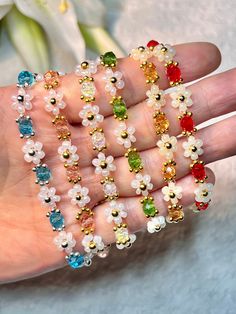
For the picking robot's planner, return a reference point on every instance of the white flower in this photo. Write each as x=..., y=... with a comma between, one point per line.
x=21, y=101
x=192, y=148
x=115, y=212
x=123, y=238
x=181, y=98
x=64, y=241
x=167, y=145
x=33, y=151
x=155, y=224
x=79, y=195
x=204, y=192
x=93, y=243
x=156, y=97
x=163, y=52
x=54, y=102
x=68, y=152
x=48, y=196
x=113, y=81
x=86, y=68
x=142, y=184
x=125, y=135
x=110, y=189
x=172, y=193
x=90, y=115
x=141, y=54
x=104, y=165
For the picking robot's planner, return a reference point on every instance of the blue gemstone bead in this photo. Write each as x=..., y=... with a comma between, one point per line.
x=25, y=126
x=75, y=260
x=25, y=78
x=43, y=174
x=56, y=220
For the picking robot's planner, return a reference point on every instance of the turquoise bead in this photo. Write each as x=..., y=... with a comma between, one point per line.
x=25, y=78
x=75, y=260
x=43, y=174
x=25, y=126
x=56, y=220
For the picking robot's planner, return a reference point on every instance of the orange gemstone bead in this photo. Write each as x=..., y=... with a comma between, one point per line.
x=161, y=123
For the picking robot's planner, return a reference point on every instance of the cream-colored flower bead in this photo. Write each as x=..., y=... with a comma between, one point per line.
x=140, y=54
x=192, y=148
x=172, y=193
x=181, y=98
x=90, y=116
x=104, y=165
x=54, y=102
x=167, y=145
x=142, y=184
x=203, y=193
x=164, y=53
x=21, y=101
x=115, y=212
x=93, y=244
x=67, y=152
x=64, y=241
x=155, y=224
x=156, y=97
x=86, y=68
x=79, y=195
x=33, y=151
x=113, y=81
x=125, y=135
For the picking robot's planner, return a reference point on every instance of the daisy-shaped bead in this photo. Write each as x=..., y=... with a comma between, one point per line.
x=33, y=151
x=48, y=196
x=113, y=81
x=125, y=135
x=140, y=54
x=172, y=193
x=115, y=212
x=64, y=241
x=86, y=68
x=204, y=192
x=104, y=165
x=67, y=152
x=54, y=102
x=156, y=97
x=142, y=184
x=192, y=148
x=181, y=98
x=21, y=101
x=79, y=195
x=93, y=244
x=90, y=115
x=163, y=52
x=155, y=224
x=167, y=145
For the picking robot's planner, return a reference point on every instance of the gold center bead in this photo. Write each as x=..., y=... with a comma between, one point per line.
x=168, y=145
x=143, y=186
x=181, y=98
x=92, y=245
x=84, y=65
x=66, y=154
x=124, y=134
x=53, y=101
x=90, y=117
x=115, y=213
x=113, y=80
x=103, y=165
x=172, y=195
x=205, y=193
x=194, y=149
x=78, y=197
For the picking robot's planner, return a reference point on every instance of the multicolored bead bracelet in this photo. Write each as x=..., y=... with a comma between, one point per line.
x=125, y=137
x=167, y=144
x=181, y=100
x=103, y=164
x=33, y=153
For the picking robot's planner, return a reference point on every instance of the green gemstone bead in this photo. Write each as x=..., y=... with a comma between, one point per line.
x=149, y=207
x=119, y=108
x=109, y=59
x=134, y=160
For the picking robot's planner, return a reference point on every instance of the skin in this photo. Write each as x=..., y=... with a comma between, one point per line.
x=26, y=244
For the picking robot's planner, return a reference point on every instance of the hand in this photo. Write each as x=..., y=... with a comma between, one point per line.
x=26, y=245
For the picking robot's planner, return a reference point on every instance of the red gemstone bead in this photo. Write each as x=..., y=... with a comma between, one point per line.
x=152, y=43
x=202, y=206
x=198, y=171
x=173, y=73
x=187, y=124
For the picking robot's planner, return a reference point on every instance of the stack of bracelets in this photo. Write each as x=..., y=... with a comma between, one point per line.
x=115, y=212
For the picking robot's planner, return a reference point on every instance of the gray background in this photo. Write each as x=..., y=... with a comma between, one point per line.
x=189, y=268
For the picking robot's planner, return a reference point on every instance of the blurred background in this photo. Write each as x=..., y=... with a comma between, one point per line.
x=189, y=268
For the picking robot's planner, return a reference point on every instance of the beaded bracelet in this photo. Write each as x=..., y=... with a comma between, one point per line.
x=125, y=137
x=167, y=144
x=33, y=153
x=93, y=244
x=181, y=99
x=103, y=164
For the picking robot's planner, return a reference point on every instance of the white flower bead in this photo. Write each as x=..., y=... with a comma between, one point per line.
x=48, y=196
x=86, y=68
x=155, y=224
x=172, y=193
x=64, y=241
x=140, y=54
x=110, y=189
x=115, y=212
x=33, y=151
x=93, y=243
x=79, y=195
x=192, y=148
x=125, y=135
x=181, y=98
x=90, y=115
x=54, y=102
x=156, y=97
x=68, y=152
x=21, y=101
x=142, y=184
x=167, y=145
x=204, y=192
x=113, y=81
x=104, y=165
x=164, y=52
